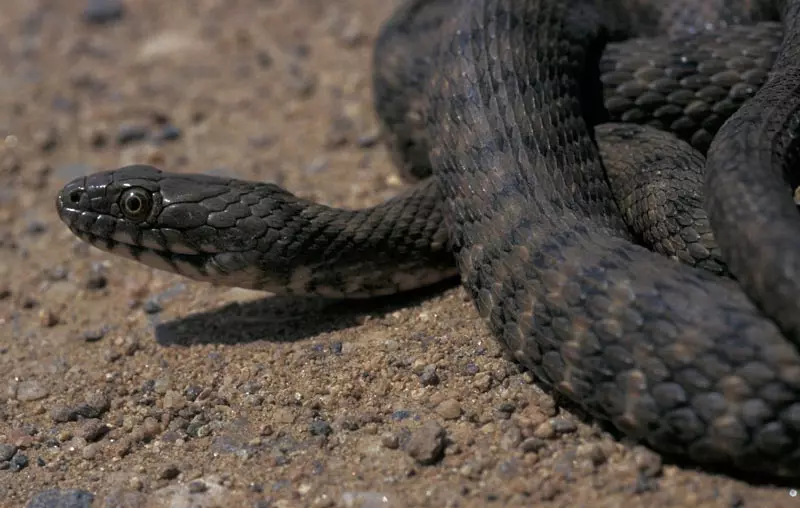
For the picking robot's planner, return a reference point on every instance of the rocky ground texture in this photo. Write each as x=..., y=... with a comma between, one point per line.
x=121, y=386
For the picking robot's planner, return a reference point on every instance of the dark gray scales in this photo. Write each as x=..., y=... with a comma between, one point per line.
x=551, y=187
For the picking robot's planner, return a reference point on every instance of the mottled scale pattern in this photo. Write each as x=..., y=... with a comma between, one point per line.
x=592, y=248
x=656, y=180
x=259, y=236
x=692, y=88
x=670, y=354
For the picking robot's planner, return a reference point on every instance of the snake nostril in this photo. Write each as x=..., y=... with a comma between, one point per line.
x=74, y=197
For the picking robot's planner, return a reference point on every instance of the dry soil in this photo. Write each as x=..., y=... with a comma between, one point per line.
x=125, y=386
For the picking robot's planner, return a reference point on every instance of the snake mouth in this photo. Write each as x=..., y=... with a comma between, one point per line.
x=120, y=237
x=198, y=266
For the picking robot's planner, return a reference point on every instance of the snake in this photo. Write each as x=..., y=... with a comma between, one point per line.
x=615, y=198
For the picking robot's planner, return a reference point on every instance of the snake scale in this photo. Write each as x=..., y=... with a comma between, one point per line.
x=547, y=206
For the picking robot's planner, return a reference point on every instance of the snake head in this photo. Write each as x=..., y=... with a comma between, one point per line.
x=193, y=224
x=111, y=205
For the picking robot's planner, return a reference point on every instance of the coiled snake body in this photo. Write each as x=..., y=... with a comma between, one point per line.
x=503, y=101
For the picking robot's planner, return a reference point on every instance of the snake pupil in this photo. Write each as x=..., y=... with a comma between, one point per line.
x=135, y=204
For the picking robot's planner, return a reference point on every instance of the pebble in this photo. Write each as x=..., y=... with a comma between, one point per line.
x=339, y=132
x=19, y=462
x=97, y=278
x=591, y=451
x=46, y=139
x=192, y=392
x=48, y=318
x=151, y=306
x=483, y=382
x=168, y=133
x=129, y=133
x=365, y=500
x=427, y=443
x=320, y=428
x=36, y=227
x=390, y=440
x=647, y=461
x=169, y=472
x=429, y=377
x=511, y=438
x=545, y=430
x=94, y=407
x=449, y=409
x=197, y=487
x=532, y=444
x=7, y=451
x=92, y=430
x=301, y=81
x=99, y=12
x=316, y=165
x=563, y=426
x=94, y=335
x=369, y=139
x=90, y=451
x=30, y=390
x=284, y=416
x=401, y=414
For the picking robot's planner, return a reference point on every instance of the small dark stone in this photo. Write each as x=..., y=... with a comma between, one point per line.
x=191, y=392
x=131, y=133
x=94, y=335
x=169, y=472
x=7, y=451
x=197, y=487
x=264, y=59
x=92, y=430
x=336, y=347
x=58, y=273
x=532, y=444
x=94, y=407
x=564, y=426
x=97, y=278
x=429, y=377
x=56, y=498
x=401, y=414
x=151, y=306
x=427, y=443
x=168, y=133
x=99, y=12
x=19, y=462
x=320, y=428
x=368, y=140
x=36, y=227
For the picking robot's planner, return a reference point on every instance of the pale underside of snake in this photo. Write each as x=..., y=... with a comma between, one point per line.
x=544, y=210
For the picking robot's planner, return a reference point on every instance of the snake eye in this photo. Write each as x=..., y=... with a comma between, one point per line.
x=135, y=204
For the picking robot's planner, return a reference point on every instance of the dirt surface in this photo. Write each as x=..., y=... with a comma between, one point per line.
x=134, y=387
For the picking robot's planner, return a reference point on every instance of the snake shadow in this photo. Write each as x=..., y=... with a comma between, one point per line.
x=283, y=318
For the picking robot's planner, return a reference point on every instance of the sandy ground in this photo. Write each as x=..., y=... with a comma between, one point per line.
x=134, y=387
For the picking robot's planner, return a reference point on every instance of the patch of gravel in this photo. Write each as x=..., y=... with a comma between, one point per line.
x=126, y=386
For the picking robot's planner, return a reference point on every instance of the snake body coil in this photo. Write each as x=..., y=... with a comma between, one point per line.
x=506, y=112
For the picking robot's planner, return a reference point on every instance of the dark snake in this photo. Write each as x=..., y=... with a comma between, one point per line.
x=546, y=199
